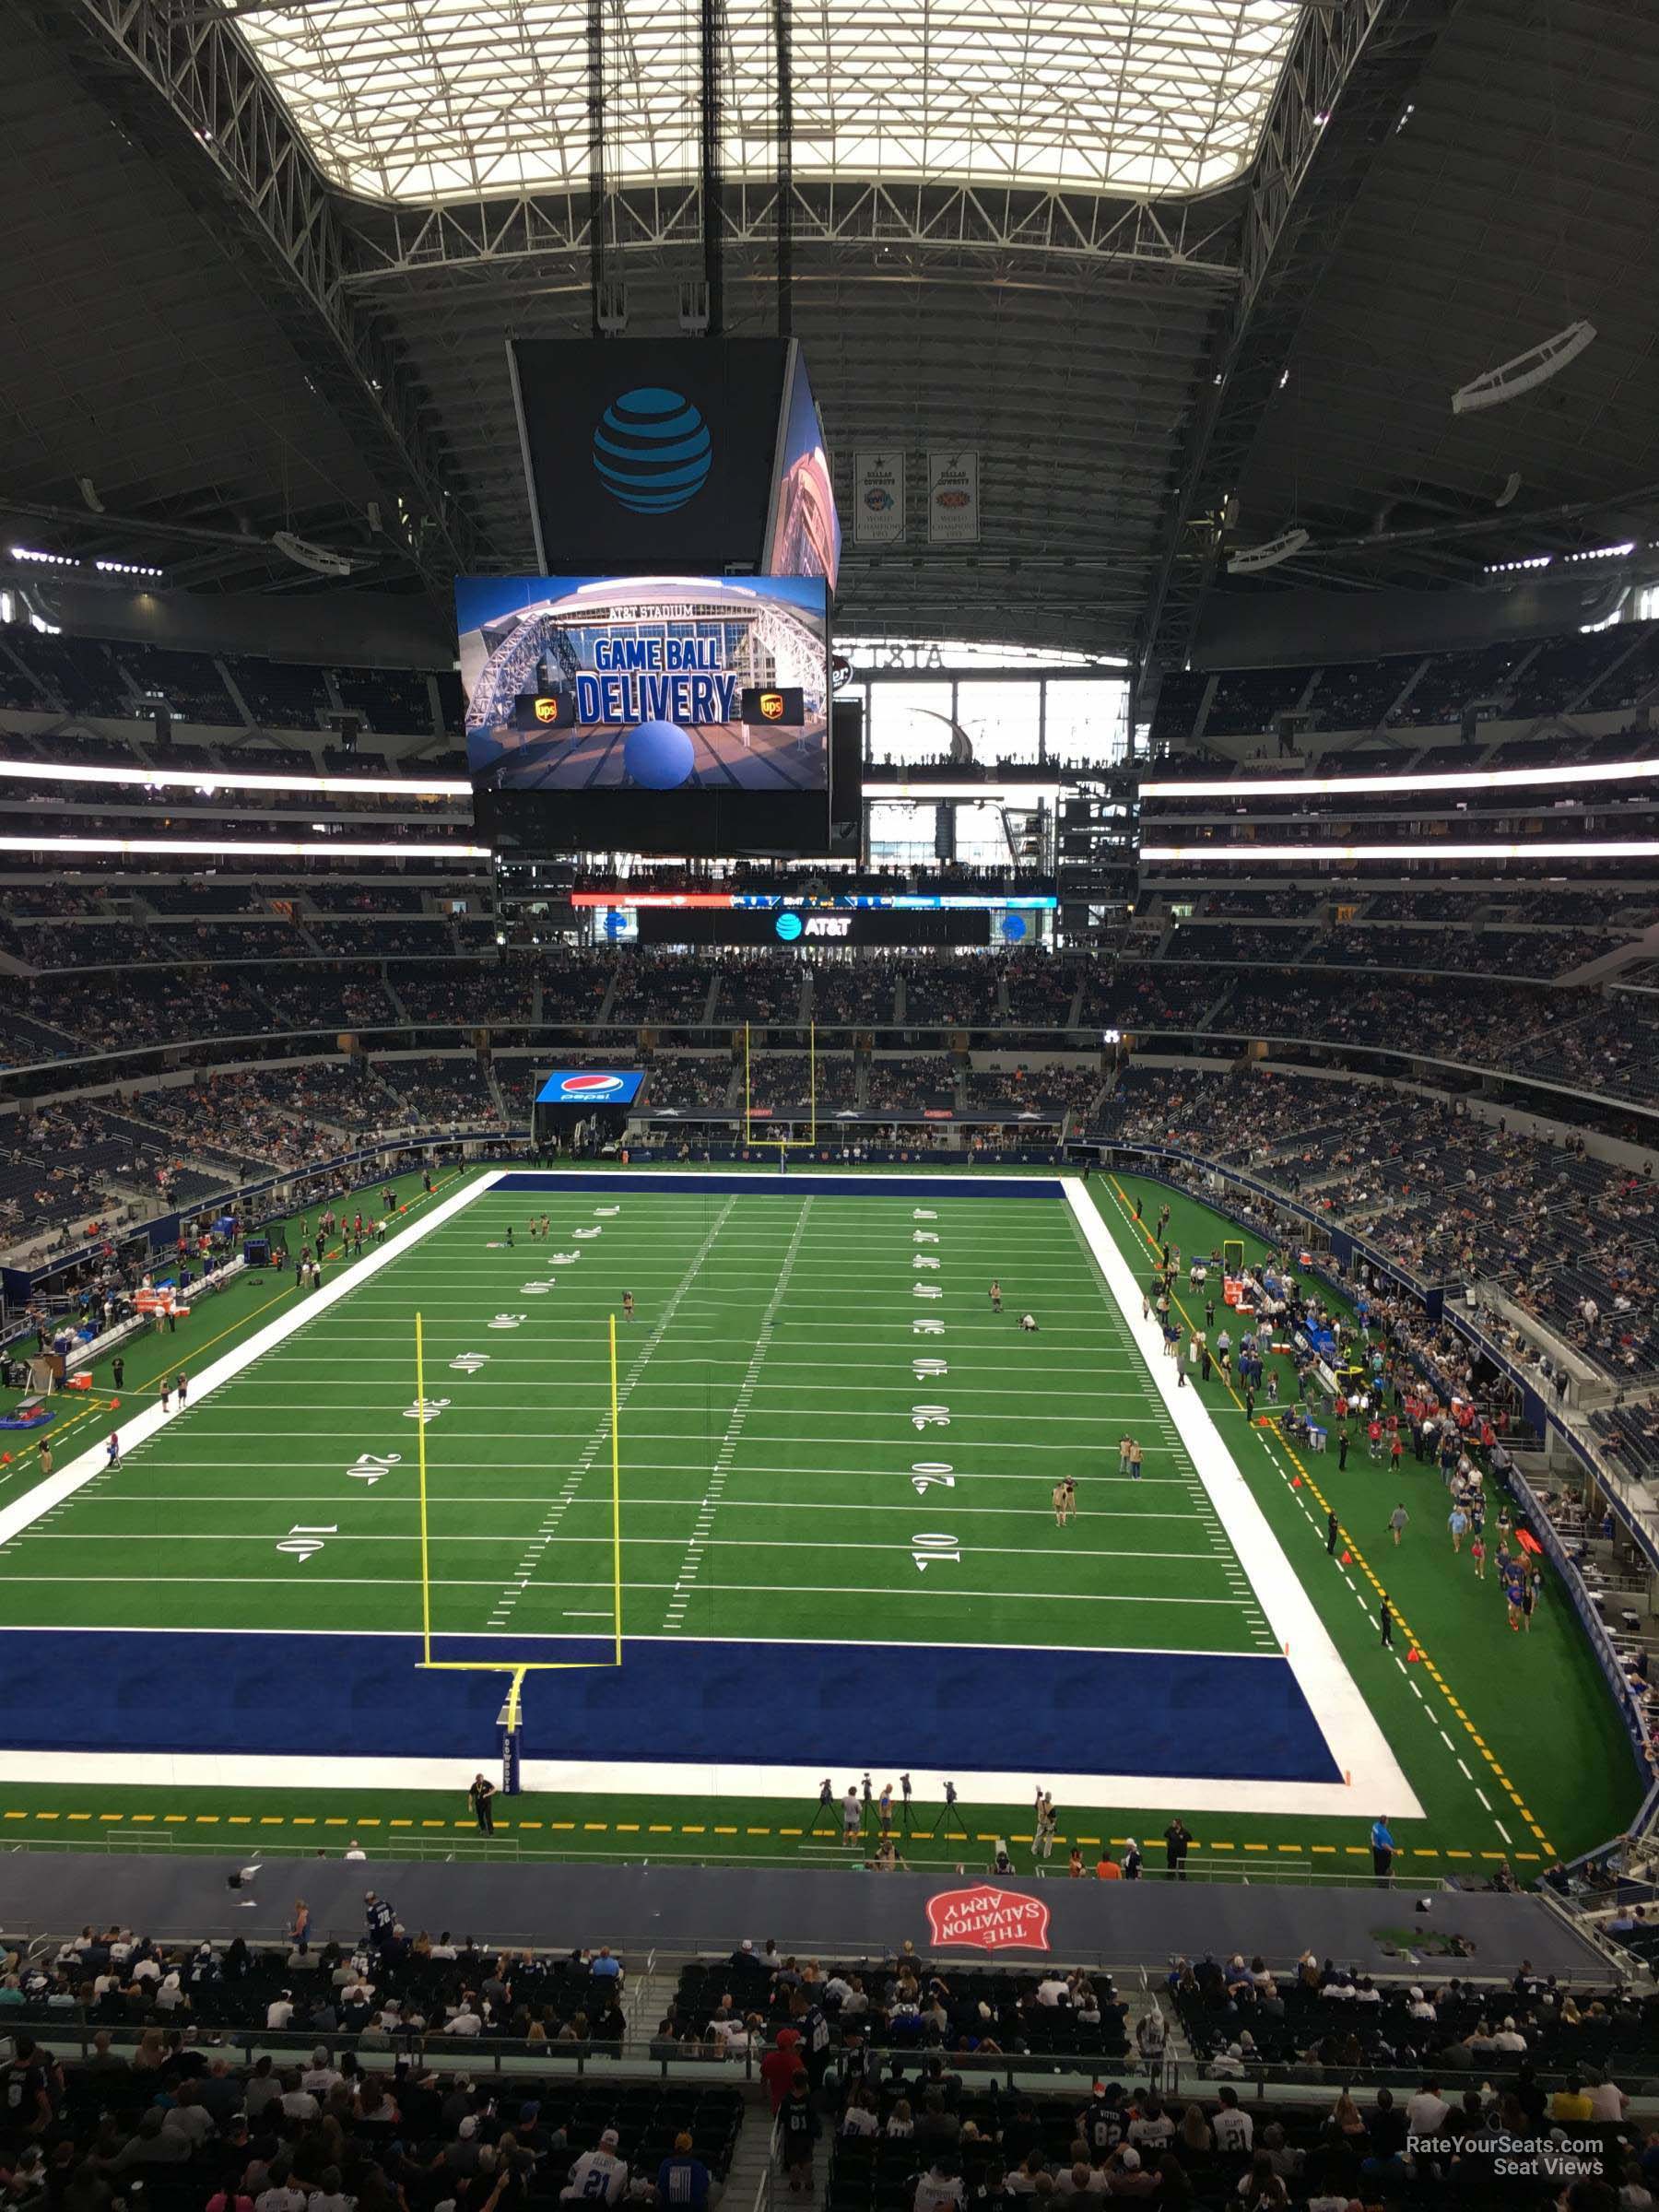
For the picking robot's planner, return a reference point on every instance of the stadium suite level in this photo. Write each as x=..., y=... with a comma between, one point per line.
x=1557, y=1743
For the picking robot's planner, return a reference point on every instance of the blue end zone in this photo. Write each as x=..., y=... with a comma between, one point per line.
x=955, y=1709
x=766, y=1182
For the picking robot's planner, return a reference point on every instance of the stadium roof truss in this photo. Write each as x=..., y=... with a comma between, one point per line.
x=1008, y=215
x=447, y=100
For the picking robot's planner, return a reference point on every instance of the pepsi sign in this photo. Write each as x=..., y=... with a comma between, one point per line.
x=591, y=1087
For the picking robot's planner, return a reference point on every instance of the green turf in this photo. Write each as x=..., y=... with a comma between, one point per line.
x=769, y=1366
x=770, y=1370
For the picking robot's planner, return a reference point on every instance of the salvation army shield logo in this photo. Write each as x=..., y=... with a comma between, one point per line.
x=983, y=1919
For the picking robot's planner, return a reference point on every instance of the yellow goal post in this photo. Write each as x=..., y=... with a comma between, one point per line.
x=517, y=1668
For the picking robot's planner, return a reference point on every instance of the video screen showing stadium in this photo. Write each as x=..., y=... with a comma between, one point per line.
x=804, y=537
x=650, y=684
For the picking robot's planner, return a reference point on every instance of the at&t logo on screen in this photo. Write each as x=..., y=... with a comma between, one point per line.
x=791, y=926
x=652, y=450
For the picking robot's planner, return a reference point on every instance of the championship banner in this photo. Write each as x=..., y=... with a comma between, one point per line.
x=878, y=496
x=953, y=499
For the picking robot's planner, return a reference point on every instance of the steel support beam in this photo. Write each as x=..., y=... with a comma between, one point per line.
x=185, y=87
x=1198, y=240
x=1351, y=73
x=711, y=30
x=783, y=196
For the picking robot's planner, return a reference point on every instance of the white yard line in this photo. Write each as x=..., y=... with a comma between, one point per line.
x=24, y=1511
x=701, y=1536
x=536, y=1548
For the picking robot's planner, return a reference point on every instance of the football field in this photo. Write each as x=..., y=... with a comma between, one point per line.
x=826, y=1537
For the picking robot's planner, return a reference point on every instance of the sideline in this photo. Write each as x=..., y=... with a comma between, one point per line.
x=24, y=1511
x=1357, y=1742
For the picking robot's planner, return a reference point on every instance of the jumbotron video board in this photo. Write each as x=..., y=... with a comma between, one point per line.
x=701, y=455
x=647, y=713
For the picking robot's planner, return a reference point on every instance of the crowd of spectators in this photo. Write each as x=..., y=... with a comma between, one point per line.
x=463, y=992
x=341, y=999
x=438, y=1091
x=910, y=1082
x=228, y=1122
x=1571, y=1238
x=787, y=1079
x=363, y=2100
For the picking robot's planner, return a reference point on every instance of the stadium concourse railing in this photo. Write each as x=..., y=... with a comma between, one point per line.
x=70, y=2036
x=1342, y=1249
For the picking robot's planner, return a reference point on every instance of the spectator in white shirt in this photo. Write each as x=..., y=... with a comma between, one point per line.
x=1234, y=2130
x=1152, y=2128
x=860, y=2117
x=1510, y=2038
x=298, y=2104
x=466, y=2020
x=188, y=2116
x=938, y=2189
x=278, y=2013
x=1425, y=2111
x=1080, y=2180
x=281, y=2195
x=598, y=2176
x=1608, y=2102
x=328, y=2196
x=1053, y=1990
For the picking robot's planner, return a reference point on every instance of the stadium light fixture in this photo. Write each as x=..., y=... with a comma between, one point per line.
x=1250, y=560
x=1405, y=854
x=45, y=560
x=127, y=568
x=190, y=779
x=140, y=848
x=1487, y=778
x=1525, y=372
x=323, y=561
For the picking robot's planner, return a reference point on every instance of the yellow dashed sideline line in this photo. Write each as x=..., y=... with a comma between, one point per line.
x=1413, y=1643
x=662, y=1828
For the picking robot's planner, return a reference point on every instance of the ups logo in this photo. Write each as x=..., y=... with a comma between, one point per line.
x=547, y=709
x=771, y=705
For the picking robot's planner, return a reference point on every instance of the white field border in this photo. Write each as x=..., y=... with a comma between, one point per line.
x=1376, y=1785
x=135, y=1428
x=1355, y=1741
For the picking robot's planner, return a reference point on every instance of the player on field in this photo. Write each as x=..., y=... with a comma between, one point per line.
x=627, y=1309
x=1065, y=1502
x=995, y=1298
